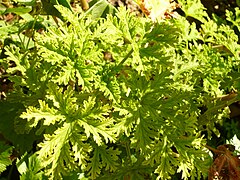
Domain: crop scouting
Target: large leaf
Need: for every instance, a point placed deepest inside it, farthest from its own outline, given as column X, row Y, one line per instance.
column 9, row 112
column 100, row 9
column 18, row 10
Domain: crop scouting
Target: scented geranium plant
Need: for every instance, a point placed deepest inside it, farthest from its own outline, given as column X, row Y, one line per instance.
column 123, row 97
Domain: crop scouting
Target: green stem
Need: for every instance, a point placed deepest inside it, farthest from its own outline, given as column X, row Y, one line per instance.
column 119, row 66
column 214, row 109
column 125, row 58
column 31, row 31
column 222, row 105
column 128, row 151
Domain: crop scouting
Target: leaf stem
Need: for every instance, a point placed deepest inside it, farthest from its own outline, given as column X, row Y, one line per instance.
column 118, row 67
column 31, row 31
column 216, row 151
column 220, row 106
column 125, row 58
column 128, row 152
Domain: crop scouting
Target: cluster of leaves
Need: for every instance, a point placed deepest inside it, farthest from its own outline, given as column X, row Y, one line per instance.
column 120, row 97
column 6, row 152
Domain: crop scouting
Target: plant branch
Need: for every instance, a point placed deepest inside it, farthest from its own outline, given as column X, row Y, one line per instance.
column 224, row 103
column 125, row 58
column 85, row 5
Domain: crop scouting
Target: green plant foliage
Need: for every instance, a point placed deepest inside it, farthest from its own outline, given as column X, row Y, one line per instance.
column 194, row 9
column 49, row 7
column 18, row 10
column 9, row 112
column 29, row 167
column 134, row 115
column 100, row 9
column 5, row 153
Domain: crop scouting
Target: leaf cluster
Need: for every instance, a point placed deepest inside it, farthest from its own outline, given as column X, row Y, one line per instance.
column 136, row 113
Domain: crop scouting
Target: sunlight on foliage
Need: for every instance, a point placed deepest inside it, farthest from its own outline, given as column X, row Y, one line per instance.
column 5, row 152
column 123, row 97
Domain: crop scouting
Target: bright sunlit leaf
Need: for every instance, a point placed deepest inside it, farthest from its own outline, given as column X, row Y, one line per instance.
column 156, row 9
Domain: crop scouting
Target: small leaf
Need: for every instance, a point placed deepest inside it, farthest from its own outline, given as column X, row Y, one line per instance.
column 18, row 10
column 5, row 153
column 100, row 9
column 48, row 115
